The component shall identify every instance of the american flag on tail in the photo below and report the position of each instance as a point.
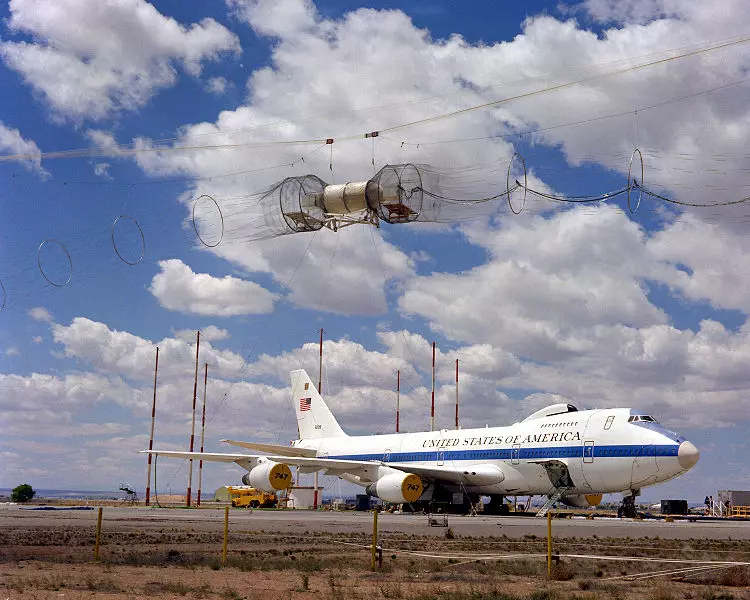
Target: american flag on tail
(304, 404)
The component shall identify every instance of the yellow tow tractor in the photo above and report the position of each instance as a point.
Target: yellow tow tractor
(249, 497)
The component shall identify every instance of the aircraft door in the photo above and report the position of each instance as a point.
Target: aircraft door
(441, 458)
(515, 454)
(588, 452)
(387, 455)
(586, 466)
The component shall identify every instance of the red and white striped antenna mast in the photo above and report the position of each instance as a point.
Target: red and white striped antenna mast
(151, 436)
(203, 435)
(456, 393)
(320, 391)
(192, 432)
(432, 408)
(398, 398)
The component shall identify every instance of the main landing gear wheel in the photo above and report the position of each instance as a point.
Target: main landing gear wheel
(497, 506)
(627, 508)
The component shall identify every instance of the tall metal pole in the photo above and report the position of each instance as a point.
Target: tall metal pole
(203, 435)
(320, 390)
(456, 393)
(398, 397)
(192, 431)
(151, 436)
(432, 409)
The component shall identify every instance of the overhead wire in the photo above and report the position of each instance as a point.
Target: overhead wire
(109, 151)
(533, 130)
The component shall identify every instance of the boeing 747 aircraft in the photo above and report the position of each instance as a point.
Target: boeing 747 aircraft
(569, 455)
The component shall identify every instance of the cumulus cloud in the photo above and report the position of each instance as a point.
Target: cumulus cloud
(210, 334)
(132, 356)
(280, 19)
(707, 262)
(39, 313)
(39, 392)
(177, 287)
(12, 142)
(550, 284)
(90, 58)
(217, 85)
(347, 363)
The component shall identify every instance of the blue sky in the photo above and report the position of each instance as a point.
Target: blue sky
(587, 304)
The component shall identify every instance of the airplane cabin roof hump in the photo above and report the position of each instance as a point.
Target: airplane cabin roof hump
(549, 411)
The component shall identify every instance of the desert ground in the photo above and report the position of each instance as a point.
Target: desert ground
(177, 553)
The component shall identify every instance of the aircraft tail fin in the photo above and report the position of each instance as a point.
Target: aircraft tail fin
(314, 419)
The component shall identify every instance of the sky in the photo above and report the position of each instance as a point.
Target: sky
(117, 116)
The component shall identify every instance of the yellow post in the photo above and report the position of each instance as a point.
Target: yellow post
(226, 536)
(98, 534)
(549, 545)
(373, 561)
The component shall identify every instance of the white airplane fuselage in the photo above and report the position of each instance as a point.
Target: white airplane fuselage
(558, 451)
(604, 451)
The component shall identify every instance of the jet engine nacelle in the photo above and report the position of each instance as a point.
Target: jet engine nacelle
(397, 487)
(582, 500)
(269, 477)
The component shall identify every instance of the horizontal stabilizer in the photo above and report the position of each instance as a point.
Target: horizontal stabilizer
(274, 448)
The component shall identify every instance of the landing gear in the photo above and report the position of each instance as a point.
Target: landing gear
(627, 508)
(496, 506)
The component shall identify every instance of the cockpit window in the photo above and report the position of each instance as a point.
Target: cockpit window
(636, 418)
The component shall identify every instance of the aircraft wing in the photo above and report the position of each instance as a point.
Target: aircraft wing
(472, 475)
(243, 460)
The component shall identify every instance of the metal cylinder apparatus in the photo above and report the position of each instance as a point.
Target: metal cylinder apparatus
(307, 203)
(347, 198)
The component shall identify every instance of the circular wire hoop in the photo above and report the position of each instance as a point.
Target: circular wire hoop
(5, 295)
(638, 185)
(143, 241)
(41, 269)
(221, 215)
(525, 183)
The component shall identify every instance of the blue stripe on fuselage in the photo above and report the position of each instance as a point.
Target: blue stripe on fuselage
(544, 453)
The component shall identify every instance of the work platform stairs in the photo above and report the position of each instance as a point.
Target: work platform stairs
(551, 500)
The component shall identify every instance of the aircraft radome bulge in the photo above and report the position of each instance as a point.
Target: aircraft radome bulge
(687, 455)
(594, 499)
(411, 488)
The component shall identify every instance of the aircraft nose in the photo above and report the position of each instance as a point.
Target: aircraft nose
(687, 455)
